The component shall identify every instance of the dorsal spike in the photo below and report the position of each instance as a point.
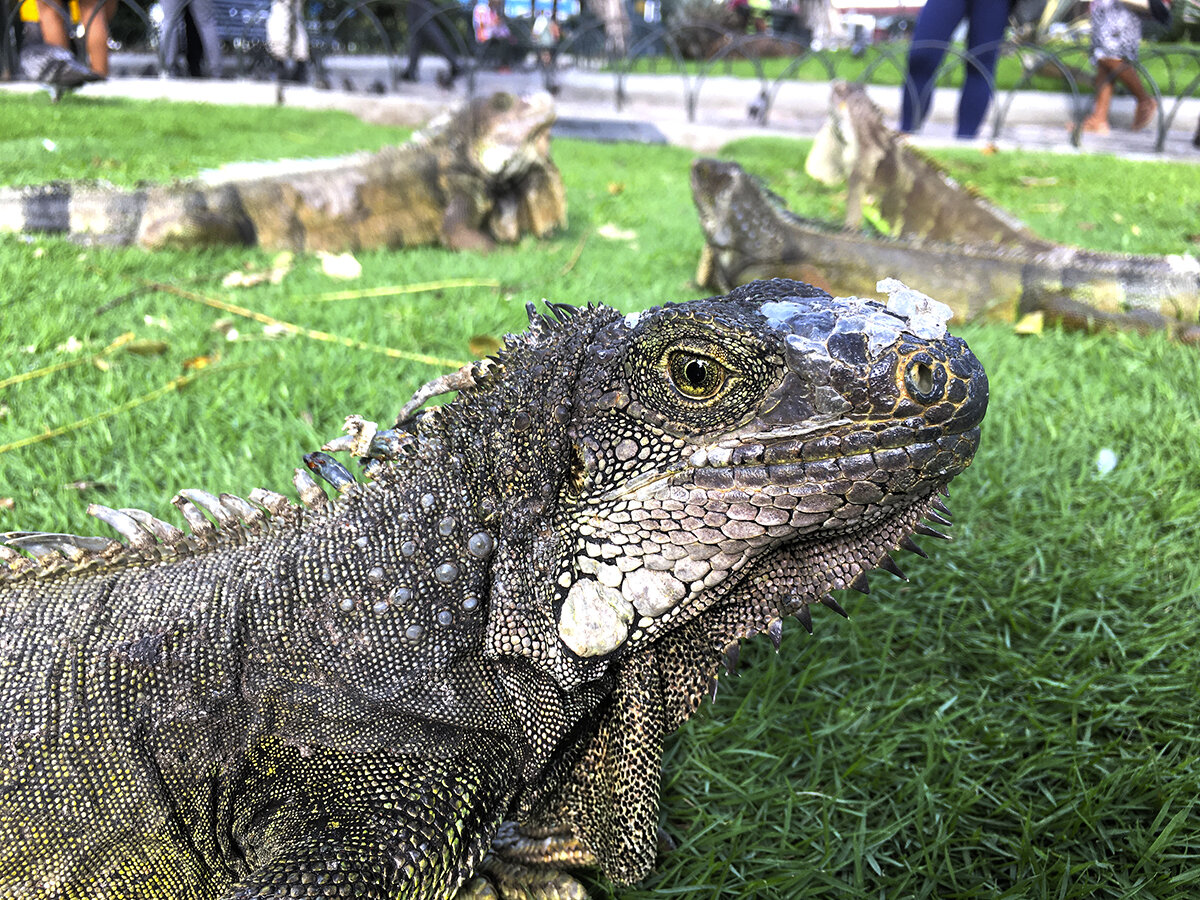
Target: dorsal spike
(211, 504)
(941, 507)
(889, 565)
(443, 384)
(860, 583)
(829, 601)
(125, 525)
(532, 313)
(275, 504)
(944, 490)
(245, 511)
(310, 492)
(907, 543)
(342, 444)
(803, 615)
(199, 524)
(713, 681)
(932, 516)
(730, 656)
(75, 547)
(922, 528)
(330, 469)
(164, 531)
(775, 632)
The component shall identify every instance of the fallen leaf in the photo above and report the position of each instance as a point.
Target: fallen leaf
(988, 150)
(340, 265)
(70, 345)
(158, 322)
(1192, 238)
(1031, 323)
(611, 232)
(147, 348)
(1034, 181)
(1135, 230)
(483, 345)
(7, 503)
(242, 279)
(1118, 218)
(616, 187)
(197, 362)
(222, 325)
(1086, 226)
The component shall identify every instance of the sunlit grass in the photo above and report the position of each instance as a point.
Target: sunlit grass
(1019, 720)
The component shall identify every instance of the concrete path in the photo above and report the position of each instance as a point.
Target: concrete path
(654, 107)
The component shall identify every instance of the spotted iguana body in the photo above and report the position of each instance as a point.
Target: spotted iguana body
(532, 587)
(480, 175)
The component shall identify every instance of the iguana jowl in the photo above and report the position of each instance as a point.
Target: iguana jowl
(536, 583)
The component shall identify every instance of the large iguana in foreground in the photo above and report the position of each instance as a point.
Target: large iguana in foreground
(480, 175)
(456, 676)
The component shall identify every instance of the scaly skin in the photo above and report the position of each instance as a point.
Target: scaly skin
(349, 698)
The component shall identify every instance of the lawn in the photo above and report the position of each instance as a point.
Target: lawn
(1018, 720)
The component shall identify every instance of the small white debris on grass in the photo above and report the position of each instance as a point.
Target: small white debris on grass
(340, 265)
(1106, 461)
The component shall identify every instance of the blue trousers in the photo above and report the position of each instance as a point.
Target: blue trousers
(936, 23)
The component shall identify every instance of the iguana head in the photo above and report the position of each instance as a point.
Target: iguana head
(748, 453)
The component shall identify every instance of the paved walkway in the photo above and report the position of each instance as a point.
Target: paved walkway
(654, 107)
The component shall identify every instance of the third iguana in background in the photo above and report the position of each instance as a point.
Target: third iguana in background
(940, 238)
(479, 175)
(535, 585)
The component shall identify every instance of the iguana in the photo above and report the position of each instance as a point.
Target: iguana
(455, 678)
(481, 175)
(749, 233)
(908, 192)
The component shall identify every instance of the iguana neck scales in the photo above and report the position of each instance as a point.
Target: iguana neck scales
(532, 587)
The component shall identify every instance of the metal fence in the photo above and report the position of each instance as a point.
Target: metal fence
(386, 29)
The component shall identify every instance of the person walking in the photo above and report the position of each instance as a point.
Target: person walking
(1116, 36)
(204, 17)
(986, 20)
(425, 32)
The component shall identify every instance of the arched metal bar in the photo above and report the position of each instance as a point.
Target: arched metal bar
(1192, 89)
(1043, 57)
(389, 54)
(724, 54)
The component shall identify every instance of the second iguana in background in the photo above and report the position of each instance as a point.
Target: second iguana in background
(455, 678)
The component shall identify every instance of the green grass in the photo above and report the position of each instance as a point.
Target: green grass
(886, 64)
(127, 141)
(1017, 721)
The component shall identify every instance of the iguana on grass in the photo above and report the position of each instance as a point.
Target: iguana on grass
(457, 676)
(749, 233)
(897, 185)
(480, 175)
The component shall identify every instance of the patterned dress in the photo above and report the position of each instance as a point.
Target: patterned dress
(1116, 32)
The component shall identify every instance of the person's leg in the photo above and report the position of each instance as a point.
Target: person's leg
(52, 18)
(94, 14)
(1147, 106)
(205, 17)
(1097, 120)
(985, 30)
(935, 24)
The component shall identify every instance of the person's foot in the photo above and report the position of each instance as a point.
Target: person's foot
(1144, 114)
(1094, 125)
(409, 75)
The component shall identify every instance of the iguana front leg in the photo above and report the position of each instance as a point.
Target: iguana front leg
(526, 864)
(379, 826)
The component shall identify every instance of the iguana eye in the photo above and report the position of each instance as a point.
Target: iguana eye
(695, 376)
